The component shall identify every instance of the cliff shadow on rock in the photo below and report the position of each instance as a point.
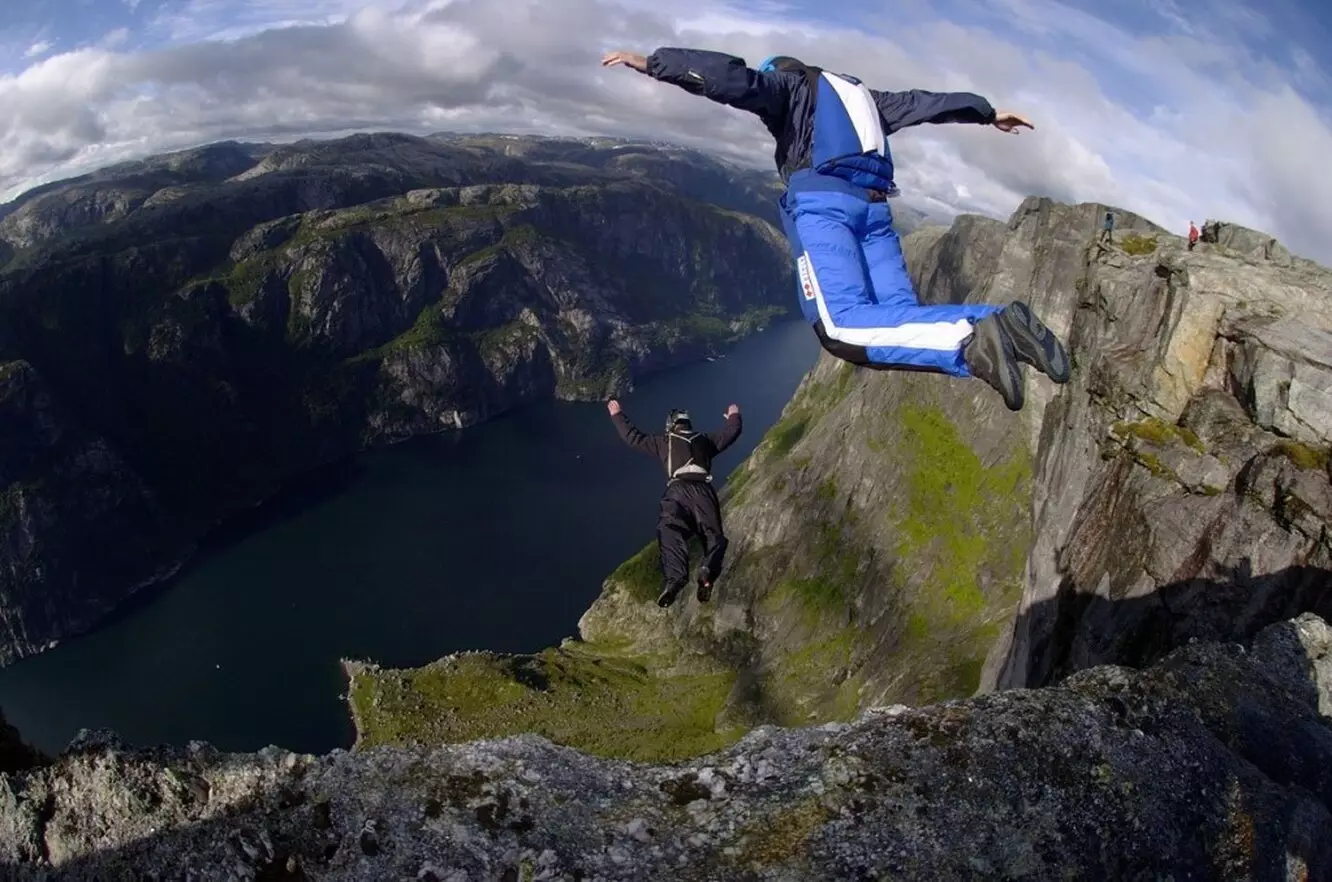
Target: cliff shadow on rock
(1213, 764)
(1083, 629)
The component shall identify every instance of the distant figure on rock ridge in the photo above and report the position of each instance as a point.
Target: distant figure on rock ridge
(1193, 235)
(689, 504)
(833, 155)
(1108, 228)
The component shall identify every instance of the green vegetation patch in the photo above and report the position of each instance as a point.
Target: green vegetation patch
(1137, 244)
(244, 280)
(513, 238)
(1303, 456)
(430, 329)
(503, 337)
(711, 329)
(950, 494)
(786, 433)
(1159, 432)
(812, 401)
(816, 678)
(640, 575)
(574, 695)
(962, 524)
(733, 491)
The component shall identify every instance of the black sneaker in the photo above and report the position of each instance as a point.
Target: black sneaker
(1033, 342)
(990, 357)
(704, 586)
(668, 595)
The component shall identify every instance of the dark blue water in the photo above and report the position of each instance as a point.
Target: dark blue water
(496, 538)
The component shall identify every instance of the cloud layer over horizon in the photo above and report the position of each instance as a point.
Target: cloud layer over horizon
(1158, 109)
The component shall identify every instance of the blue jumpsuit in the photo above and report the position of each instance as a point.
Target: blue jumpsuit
(832, 152)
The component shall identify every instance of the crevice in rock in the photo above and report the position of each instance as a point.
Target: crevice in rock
(44, 815)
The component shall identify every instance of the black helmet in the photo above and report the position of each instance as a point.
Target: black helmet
(677, 418)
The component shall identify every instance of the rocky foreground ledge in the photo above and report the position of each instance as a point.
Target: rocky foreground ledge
(1214, 764)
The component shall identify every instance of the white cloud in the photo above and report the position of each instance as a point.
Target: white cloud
(117, 37)
(41, 47)
(1183, 124)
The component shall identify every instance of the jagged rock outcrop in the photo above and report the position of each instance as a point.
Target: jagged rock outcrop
(213, 322)
(903, 538)
(1184, 472)
(1216, 764)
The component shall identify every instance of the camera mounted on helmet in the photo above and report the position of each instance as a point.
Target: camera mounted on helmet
(678, 419)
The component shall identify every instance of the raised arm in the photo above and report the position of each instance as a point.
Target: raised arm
(901, 110)
(729, 432)
(716, 76)
(631, 434)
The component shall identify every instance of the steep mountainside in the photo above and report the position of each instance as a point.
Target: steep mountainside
(902, 538)
(1214, 765)
(179, 335)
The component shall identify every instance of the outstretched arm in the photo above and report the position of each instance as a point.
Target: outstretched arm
(901, 110)
(729, 432)
(716, 76)
(631, 434)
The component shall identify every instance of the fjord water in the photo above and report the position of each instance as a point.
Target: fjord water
(497, 537)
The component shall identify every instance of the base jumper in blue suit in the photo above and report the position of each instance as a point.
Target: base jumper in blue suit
(833, 155)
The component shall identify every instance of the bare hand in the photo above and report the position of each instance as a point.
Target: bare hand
(613, 406)
(1007, 121)
(731, 411)
(628, 59)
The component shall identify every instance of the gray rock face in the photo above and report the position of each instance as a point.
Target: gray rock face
(1183, 473)
(1214, 764)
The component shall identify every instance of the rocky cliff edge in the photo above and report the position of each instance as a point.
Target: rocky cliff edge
(1215, 763)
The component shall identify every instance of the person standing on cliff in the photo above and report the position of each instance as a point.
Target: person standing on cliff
(1108, 228)
(833, 155)
(1193, 235)
(689, 504)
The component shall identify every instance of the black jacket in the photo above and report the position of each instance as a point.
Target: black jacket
(673, 452)
(782, 99)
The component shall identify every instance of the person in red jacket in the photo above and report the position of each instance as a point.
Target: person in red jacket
(1193, 235)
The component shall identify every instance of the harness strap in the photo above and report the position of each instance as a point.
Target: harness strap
(690, 467)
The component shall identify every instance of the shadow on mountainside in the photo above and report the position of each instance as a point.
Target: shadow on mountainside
(1080, 629)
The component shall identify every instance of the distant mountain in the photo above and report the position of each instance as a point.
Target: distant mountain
(179, 335)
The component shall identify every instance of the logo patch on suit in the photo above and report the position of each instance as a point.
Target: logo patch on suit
(806, 276)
